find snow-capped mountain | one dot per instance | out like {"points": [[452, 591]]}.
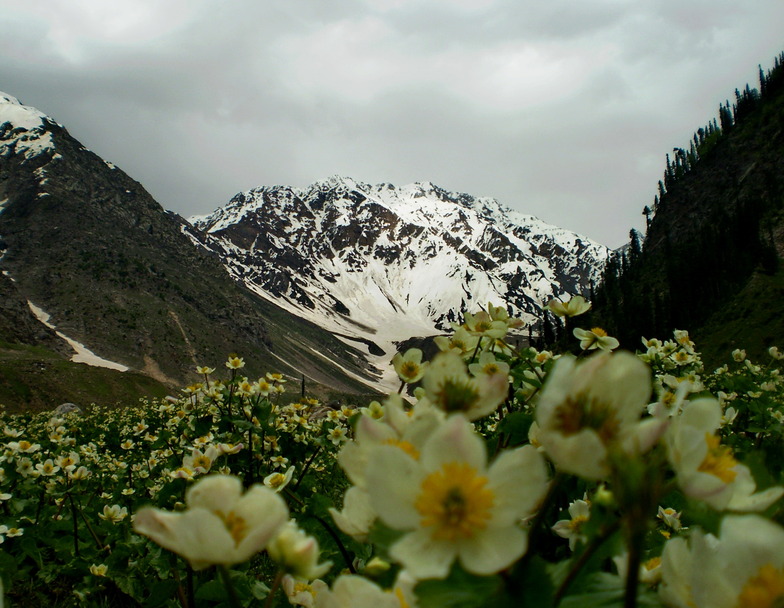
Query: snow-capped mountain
{"points": [[378, 264], [85, 244]]}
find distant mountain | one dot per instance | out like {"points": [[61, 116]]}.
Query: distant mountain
{"points": [[321, 282], [379, 264], [90, 247]]}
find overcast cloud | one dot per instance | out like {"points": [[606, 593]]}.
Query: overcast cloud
{"points": [[561, 109]]}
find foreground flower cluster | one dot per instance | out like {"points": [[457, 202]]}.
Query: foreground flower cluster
{"points": [[496, 476]]}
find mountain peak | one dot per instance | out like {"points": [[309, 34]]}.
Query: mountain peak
{"points": [[19, 115], [23, 127], [379, 264]]}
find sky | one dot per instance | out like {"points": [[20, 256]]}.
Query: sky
{"points": [[562, 109]]}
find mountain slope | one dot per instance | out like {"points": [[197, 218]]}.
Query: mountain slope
{"points": [[711, 259], [379, 264], [89, 246]]}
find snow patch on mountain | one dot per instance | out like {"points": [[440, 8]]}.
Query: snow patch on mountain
{"points": [[378, 264], [27, 126], [82, 354]]}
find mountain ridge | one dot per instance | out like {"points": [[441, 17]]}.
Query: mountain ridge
{"points": [[378, 264], [91, 247]]}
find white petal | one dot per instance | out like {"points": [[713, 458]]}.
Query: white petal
{"points": [[676, 566], [518, 479], [394, 480], [422, 556], [581, 454], [215, 493], [454, 441], [264, 512], [493, 549], [753, 541], [353, 460], [357, 515], [197, 535], [758, 501]]}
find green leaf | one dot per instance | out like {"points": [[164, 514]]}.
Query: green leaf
{"points": [[212, 590], [607, 591], [30, 548], [516, 425], [463, 590], [8, 568], [161, 592]]}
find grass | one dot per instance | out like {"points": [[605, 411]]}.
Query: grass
{"points": [[750, 320], [36, 379]]}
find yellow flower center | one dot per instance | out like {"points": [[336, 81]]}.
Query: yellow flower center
{"points": [[765, 590], [652, 563], [599, 332], [576, 523], [406, 446], [455, 502], [235, 525], [584, 412], [202, 461], [276, 479], [409, 369], [300, 587], [719, 460], [668, 399], [456, 395], [25, 445]]}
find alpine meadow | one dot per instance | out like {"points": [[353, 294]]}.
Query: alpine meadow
{"points": [[354, 395]]}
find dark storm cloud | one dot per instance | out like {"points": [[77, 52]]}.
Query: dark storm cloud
{"points": [[561, 109]]}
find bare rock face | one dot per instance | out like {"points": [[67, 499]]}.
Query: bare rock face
{"points": [[18, 324], [116, 272], [382, 263]]}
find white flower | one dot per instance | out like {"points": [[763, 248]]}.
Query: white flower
{"points": [[488, 365], [742, 568], [596, 338], [571, 529], [409, 366], [449, 387], [297, 553], [451, 505], [408, 433], [351, 591], [278, 481], [357, 515], [221, 525], [577, 305], [201, 462], [707, 470], [587, 410], [113, 513], [300, 593], [670, 517]]}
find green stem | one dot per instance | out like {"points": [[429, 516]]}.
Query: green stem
{"points": [[234, 600], [341, 547], [251, 477], [189, 586], [476, 350], [270, 601], [596, 542], [75, 525], [636, 538], [308, 463]]}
